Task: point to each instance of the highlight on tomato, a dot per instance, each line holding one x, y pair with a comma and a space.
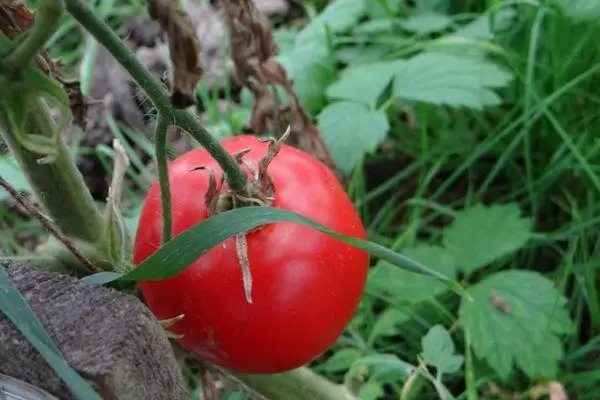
272, 299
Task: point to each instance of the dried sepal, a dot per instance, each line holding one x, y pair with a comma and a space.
241, 247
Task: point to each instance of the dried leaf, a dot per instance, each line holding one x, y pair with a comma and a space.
183, 50
252, 51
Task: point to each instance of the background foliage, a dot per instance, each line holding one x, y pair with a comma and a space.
469, 130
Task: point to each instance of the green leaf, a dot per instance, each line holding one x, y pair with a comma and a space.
427, 22
386, 367
387, 323
363, 83
481, 26
408, 287
340, 361
337, 17
371, 391
374, 27
441, 6
480, 235
438, 350
16, 308
445, 79
526, 332
11, 172
579, 10
311, 68
350, 130
183, 249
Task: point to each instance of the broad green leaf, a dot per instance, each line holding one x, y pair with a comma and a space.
337, 17
480, 235
445, 79
340, 361
386, 367
11, 172
183, 249
365, 54
350, 130
427, 22
310, 66
579, 10
17, 310
374, 27
438, 350
387, 323
363, 83
481, 26
403, 286
515, 318
441, 6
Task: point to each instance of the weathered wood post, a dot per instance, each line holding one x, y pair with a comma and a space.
108, 337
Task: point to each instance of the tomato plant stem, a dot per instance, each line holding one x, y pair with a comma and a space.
160, 140
47, 20
236, 178
59, 186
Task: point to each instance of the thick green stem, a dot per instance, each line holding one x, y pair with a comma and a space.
236, 178
58, 186
299, 384
160, 139
47, 20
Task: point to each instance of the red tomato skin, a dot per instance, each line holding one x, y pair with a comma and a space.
306, 284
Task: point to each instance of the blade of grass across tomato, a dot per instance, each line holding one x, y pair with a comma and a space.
17, 310
183, 249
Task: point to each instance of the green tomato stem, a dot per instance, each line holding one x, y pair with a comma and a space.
160, 140
47, 21
236, 178
58, 186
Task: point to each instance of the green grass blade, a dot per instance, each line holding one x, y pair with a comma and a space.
181, 251
16, 308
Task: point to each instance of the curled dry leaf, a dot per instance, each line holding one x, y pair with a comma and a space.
183, 50
252, 52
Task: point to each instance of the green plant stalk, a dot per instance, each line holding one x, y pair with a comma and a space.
299, 384
47, 20
58, 186
160, 139
236, 178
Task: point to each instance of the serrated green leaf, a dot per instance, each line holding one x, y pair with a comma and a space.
480, 235
358, 55
311, 68
579, 10
387, 323
427, 22
438, 350
183, 249
11, 172
481, 27
363, 83
17, 310
526, 332
350, 130
337, 17
407, 287
445, 79
340, 361
386, 367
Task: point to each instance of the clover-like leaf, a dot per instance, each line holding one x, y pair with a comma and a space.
446, 79
350, 130
480, 235
515, 318
438, 350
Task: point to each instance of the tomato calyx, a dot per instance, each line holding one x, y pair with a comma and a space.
167, 323
259, 191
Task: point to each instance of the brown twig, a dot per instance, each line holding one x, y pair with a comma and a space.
47, 223
252, 51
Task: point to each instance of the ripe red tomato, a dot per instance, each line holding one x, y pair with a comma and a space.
306, 284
